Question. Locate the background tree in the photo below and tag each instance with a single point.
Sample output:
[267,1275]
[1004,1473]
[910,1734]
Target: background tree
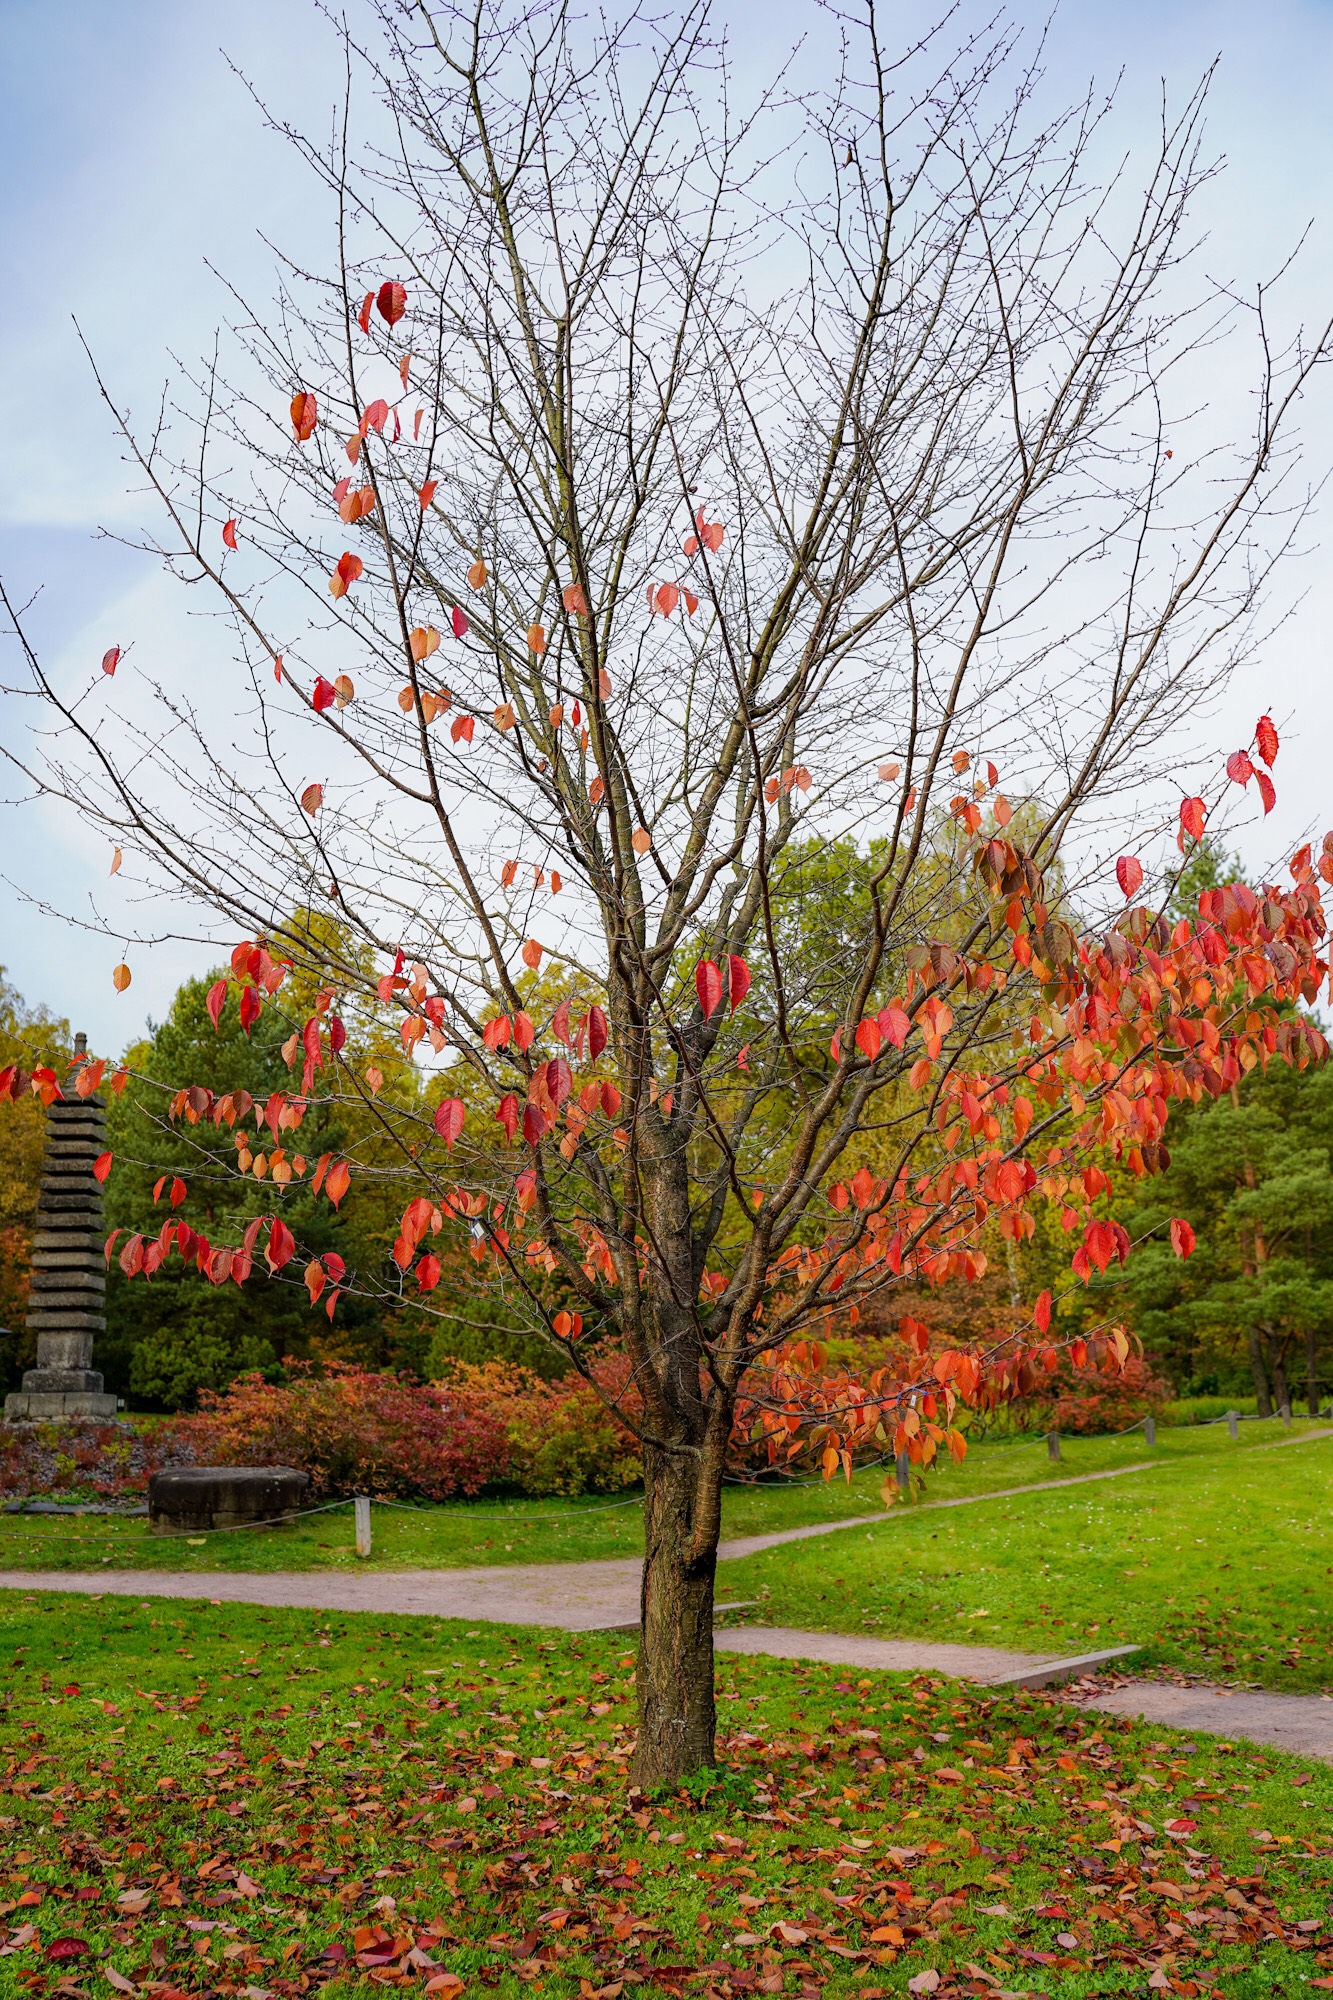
[630,493]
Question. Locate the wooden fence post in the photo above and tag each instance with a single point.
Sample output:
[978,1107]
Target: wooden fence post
[361,1506]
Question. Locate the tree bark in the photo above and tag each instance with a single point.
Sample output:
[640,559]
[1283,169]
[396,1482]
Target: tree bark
[1311,1374]
[1276,1351]
[1263,1401]
[674,1678]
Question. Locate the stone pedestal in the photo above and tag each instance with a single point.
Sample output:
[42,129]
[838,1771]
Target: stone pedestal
[67,1295]
[198,1497]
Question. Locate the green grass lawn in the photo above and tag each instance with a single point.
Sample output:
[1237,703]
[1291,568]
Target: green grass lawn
[510,1531]
[224,1800]
[1218,1563]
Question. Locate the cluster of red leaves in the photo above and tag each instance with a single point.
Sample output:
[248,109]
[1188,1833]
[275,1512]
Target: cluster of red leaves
[1088,1402]
[353,1431]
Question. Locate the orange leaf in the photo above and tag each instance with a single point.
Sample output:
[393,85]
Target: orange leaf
[532,954]
[463,728]
[102,1166]
[305,413]
[229,534]
[888,772]
[476,576]
[574,601]
[504,717]
[120,978]
[312,798]
[536,639]
[423,641]
[427,493]
[595,790]
[641,840]
[115,862]
[1265,737]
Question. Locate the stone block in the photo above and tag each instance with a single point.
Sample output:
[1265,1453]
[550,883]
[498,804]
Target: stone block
[223,1496]
[67,1350]
[29,1406]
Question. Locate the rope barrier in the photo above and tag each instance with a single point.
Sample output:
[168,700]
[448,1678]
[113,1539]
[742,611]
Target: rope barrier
[732,1481]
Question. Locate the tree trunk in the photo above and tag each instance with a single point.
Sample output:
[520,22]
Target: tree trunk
[1277,1363]
[674,1679]
[1311,1376]
[1263,1400]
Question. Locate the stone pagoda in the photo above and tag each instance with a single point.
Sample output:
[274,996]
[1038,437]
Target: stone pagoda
[67,1295]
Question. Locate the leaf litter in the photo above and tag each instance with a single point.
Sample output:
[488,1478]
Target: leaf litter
[214,1799]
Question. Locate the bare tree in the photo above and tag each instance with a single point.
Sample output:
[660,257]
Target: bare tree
[720,490]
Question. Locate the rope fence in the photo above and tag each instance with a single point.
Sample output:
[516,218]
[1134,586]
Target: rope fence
[361,1504]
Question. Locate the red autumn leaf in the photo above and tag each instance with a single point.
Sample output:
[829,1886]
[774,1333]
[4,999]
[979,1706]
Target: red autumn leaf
[216,1000]
[894,1025]
[666,599]
[428,1273]
[507,1115]
[312,798]
[391,301]
[532,954]
[363,317]
[1267,790]
[281,1247]
[1239,768]
[708,986]
[868,1038]
[67,1947]
[102,1166]
[449,1116]
[1193,815]
[229,534]
[427,493]
[738,980]
[338,1180]
[375,416]
[596,1032]
[1041,1312]
[459,620]
[1129,874]
[1265,737]
[250,1006]
[110,659]
[574,601]
[463,728]
[324,696]
[1182,1238]
[349,568]
[305,415]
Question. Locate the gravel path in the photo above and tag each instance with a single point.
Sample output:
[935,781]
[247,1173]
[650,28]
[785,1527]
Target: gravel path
[588,1596]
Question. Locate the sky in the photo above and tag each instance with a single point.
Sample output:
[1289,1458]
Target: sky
[133,159]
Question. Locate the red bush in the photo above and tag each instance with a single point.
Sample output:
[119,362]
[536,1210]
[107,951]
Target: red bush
[1094,1401]
[353,1431]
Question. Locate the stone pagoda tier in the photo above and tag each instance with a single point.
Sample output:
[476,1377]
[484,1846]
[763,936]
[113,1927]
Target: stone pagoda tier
[67,1295]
